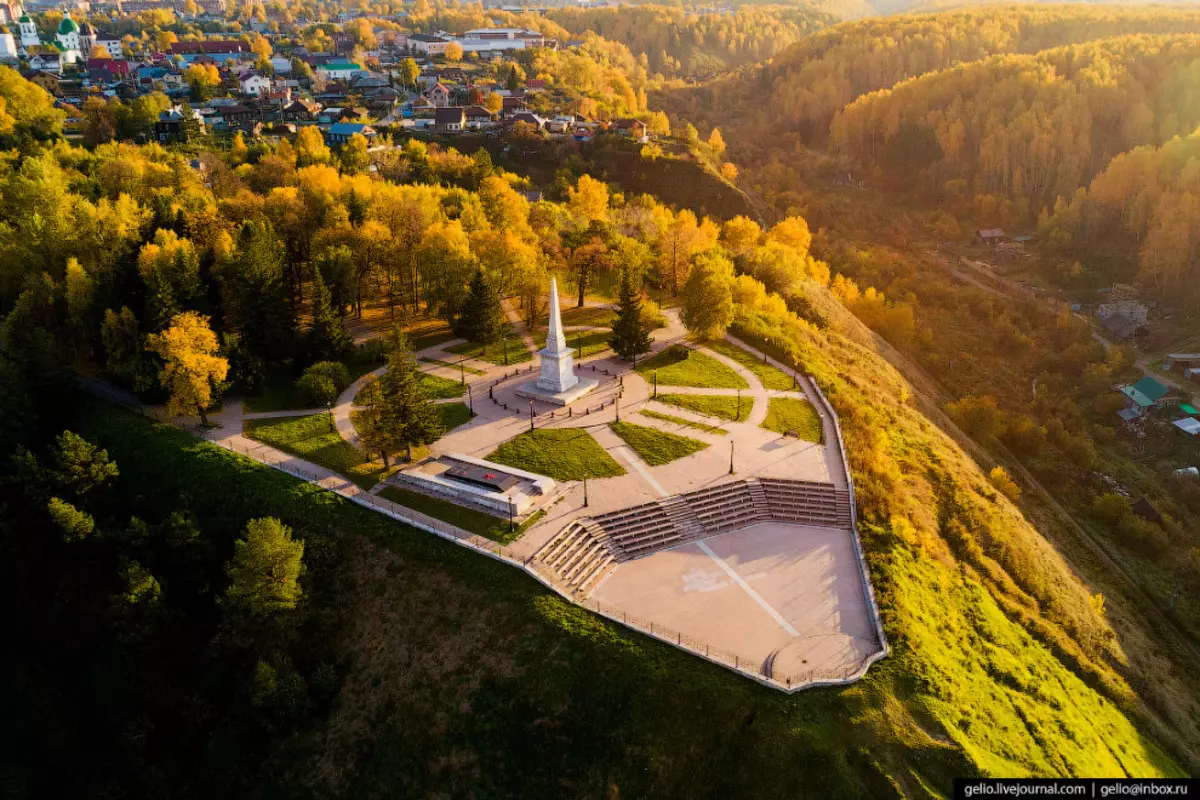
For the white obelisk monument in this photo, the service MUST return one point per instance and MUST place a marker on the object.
(557, 384)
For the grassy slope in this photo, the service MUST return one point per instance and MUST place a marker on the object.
(465, 677)
(567, 454)
(770, 377)
(687, 423)
(677, 366)
(311, 439)
(654, 446)
(786, 414)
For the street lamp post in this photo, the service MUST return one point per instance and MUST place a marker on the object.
(618, 408)
(531, 415)
(731, 458)
(470, 401)
(512, 526)
(739, 406)
(655, 384)
(329, 408)
(585, 494)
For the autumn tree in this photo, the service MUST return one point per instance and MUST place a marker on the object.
(708, 296)
(192, 370)
(310, 147)
(589, 260)
(454, 52)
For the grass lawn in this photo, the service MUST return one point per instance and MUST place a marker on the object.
(442, 388)
(700, 426)
(477, 522)
(451, 365)
(592, 342)
(712, 405)
(494, 354)
(771, 377)
(683, 366)
(588, 315)
(566, 455)
(311, 439)
(279, 392)
(453, 415)
(654, 446)
(792, 415)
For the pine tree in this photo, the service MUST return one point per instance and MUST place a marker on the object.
(629, 337)
(328, 338)
(256, 294)
(398, 411)
(483, 321)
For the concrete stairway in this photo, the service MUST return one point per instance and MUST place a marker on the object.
(585, 551)
(807, 502)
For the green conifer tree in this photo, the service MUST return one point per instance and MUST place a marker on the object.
(398, 412)
(328, 339)
(629, 337)
(483, 321)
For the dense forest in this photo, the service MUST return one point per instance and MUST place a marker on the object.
(675, 41)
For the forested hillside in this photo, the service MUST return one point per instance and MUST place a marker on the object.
(801, 90)
(677, 41)
(1025, 128)
(1139, 219)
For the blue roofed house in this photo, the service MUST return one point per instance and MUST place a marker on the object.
(1141, 397)
(342, 131)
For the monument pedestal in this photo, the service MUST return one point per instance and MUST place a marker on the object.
(557, 382)
(534, 391)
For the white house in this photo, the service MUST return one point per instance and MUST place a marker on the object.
(110, 44)
(254, 84)
(281, 65)
(46, 62)
(339, 70)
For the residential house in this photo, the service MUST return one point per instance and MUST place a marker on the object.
(8, 46)
(217, 50)
(438, 95)
(990, 236)
(179, 124)
(301, 111)
(107, 70)
(234, 116)
(450, 120)
(342, 131)
(254, 83)
(110, 43)
(630, 127)
(1122, 319)
(428, 45)
(46, 62)
(528, 118)
(1141, 397)
(479, 117)
(339, 70)
(281, 65)
(47, 80)
(513, 104)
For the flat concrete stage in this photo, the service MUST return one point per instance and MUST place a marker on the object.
(783, 597)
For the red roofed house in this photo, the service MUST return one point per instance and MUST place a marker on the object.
(107, 69)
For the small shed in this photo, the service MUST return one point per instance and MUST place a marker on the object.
(1189, 425)
(990, 236)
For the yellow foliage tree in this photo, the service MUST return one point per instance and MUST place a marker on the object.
(192, 370)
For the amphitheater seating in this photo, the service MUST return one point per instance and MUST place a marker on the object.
(590, 547)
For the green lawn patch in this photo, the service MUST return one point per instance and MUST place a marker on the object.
(439, 362)
(469, 519)
(770, 377)
(700, 426)
(654, 446)
(279, 392)
(683, 366)
(712, 405)
(311, 439)
(591, 342)
(429, 336)
(453, 415)
(495, 354)
(588, 315)
(442, 388)
(569, 454)
(792, 415)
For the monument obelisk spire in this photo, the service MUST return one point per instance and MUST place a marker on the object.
(557, 382)
(556, 340)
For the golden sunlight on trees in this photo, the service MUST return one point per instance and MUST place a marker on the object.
(191, 370)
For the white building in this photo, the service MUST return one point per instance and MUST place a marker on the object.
(29, 33)
(281, 65)
(67, 40)
(8, 45)
(254, 84)
(110, 44)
